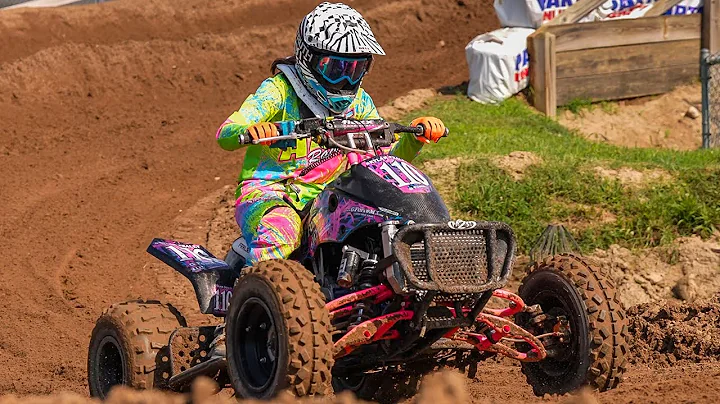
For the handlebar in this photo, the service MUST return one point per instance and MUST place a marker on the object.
(346, 134)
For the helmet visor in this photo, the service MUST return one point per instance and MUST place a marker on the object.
(335, 69)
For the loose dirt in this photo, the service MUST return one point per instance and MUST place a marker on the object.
(660, 121)
(687, 270)
(108, 115)
(672, 333)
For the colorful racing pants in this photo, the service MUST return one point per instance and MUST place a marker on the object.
(270, 226)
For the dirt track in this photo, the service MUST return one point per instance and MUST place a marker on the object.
(107, 117)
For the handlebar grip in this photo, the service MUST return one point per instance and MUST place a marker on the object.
(418, 130)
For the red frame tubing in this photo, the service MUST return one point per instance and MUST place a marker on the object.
(371, 330)
(516, 304)
(359, 295)
(501, 328)
(345, 311)
(379, 328)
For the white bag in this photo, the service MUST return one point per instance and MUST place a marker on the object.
(518, 13)
(498, 63)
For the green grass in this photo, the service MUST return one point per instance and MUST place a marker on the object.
(564, 187)
(578, 105)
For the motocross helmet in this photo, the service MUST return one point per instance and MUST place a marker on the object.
(334, 49)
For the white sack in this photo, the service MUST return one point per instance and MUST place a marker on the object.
(518, 13)
(498, 63)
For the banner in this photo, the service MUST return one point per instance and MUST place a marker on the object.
(533, 13)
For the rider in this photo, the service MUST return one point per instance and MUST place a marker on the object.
(334, 49)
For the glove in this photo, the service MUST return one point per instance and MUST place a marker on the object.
(262, 130)
(434, 129)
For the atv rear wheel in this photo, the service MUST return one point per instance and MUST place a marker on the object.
(566, 287)
(125, 344)
(278, 333)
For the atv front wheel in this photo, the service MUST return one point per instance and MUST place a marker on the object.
(125, 343)
(278, 334)
(580, 301)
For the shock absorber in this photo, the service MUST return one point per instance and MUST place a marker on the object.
(349, 265)
(362, 311)
(366, 276)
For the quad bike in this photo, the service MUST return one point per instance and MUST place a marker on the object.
(384, 288)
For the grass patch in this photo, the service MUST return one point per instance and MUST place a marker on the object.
(565, 188)
(578, 105)
(609, 107)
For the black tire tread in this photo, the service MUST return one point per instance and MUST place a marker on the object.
(303, 307)
(606, 314)
(146, 325)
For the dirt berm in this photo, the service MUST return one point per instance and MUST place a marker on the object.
(107, 121)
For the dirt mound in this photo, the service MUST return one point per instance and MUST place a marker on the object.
(661, 121)
(686, 270)
(631, 177)
(672, 333)
(517, 162)
(413, 100)
(444, 175)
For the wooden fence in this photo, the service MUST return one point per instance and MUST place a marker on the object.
(608, 60)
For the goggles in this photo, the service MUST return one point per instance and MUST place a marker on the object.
(335, 69)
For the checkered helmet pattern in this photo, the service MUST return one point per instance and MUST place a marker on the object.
(334, 28)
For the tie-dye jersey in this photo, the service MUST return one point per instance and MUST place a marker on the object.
(300, 172)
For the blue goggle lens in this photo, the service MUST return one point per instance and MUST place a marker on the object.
(335, 69)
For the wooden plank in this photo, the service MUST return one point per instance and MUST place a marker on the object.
(660, 7)
(618, 59)
(550, 76)
(575, 12)
(601, 34)
(711, 26)
(637, 83)
(536, 76)
(541, 47)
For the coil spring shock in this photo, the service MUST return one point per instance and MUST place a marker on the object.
(367, 277)
(362, 311)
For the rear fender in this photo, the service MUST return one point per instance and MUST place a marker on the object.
(211, 277)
